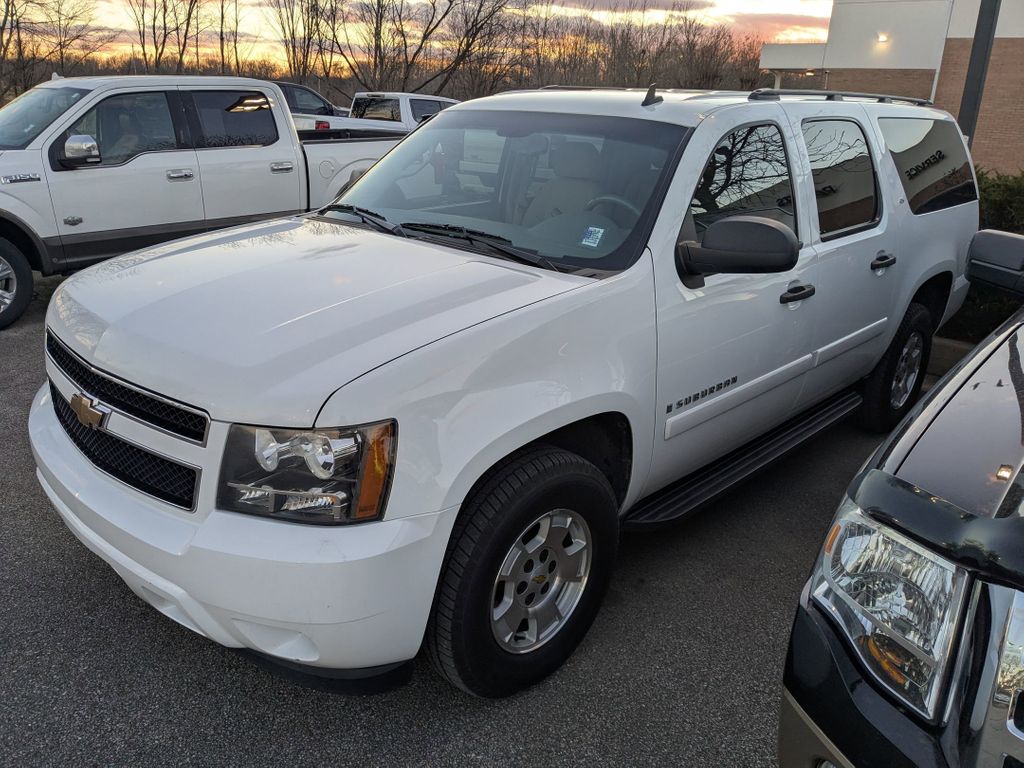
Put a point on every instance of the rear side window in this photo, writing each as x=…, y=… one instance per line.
x=307, y=102
x=748, y=173
x=376, y=108
x=931, y=160
x=423, y=107
x=845, y=188
x=234, y=119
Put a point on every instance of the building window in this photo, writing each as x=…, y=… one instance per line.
x=931, y=160
x=845, y=188
x=748, y=173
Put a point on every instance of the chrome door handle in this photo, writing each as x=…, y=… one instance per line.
x=179, y=174
x=882, y=260
x=286, y=166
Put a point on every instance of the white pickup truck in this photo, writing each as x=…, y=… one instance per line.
x=396, y=112
x=426, y=411
x=94, y=167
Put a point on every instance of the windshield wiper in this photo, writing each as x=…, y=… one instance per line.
x=368, y=217
x=496, y=243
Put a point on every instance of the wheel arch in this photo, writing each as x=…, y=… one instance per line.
x=604, y=439
x=933, y=294
x=24, y=237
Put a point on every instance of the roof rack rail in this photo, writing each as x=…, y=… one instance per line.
x=586, y=88
x=773, y=94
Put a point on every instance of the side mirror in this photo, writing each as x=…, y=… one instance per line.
x=997, y=259
x=80, y=150
x=352, y=179
x=740, y=244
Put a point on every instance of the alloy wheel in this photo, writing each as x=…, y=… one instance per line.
x=540, y=581
x=908, y=368
x=8, y=284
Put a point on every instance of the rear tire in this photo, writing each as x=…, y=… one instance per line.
x=15, y=283
x=537, y=540
x=895, y=384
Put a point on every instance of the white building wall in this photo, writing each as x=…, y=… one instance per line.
x=915, y=32
x=965, y=18
x=792, y=56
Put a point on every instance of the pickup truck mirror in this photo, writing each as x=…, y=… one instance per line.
x=739, y=244
x=80, y=150
x=997, y=259
x=352, y=179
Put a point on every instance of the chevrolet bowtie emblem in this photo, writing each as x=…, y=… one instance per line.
x=90, y=413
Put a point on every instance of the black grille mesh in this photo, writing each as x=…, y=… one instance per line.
x=138, y=404
x=165, y=479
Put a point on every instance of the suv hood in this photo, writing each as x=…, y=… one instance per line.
x=260, y=324
x=950, y=476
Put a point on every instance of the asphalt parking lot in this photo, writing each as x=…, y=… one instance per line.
x=682, y=667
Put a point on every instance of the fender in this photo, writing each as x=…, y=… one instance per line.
x=51, y=253
x=465, y=402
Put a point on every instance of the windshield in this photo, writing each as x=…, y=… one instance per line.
x=29, y=114
x=579, y=190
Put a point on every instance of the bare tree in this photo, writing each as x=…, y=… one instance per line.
x=297, y=24
x=185, y=28
x=70, y=32
x=153, y=23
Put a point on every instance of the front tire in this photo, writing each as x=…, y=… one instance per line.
x=895, y=384
x=15, y=283
x=526, y=570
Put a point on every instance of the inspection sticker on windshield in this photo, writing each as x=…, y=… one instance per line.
x=592, y=237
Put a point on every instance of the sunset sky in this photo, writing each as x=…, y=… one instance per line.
x=778, y=20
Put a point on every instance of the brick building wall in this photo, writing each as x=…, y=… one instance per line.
x=899, y=82
x=999, y=141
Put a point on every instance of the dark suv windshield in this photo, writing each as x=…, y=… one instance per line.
x=579, y=190
x=29, y=114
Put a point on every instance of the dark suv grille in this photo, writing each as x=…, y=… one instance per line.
x=176, y=419
x=165, y=479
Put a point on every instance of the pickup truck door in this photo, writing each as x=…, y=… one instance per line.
x=733, y=354
x=853, y=233
x=250, y=160
x=145, y=187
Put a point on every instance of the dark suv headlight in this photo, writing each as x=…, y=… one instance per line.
x=897, y=602
x=319, y=476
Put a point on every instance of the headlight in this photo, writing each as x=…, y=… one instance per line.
x=897, y=602
x=321, y=476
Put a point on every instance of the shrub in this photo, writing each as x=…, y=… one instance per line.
x=1002, y=207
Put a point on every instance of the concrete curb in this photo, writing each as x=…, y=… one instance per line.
x=946, y=353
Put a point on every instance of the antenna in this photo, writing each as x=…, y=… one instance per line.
x=651, y=98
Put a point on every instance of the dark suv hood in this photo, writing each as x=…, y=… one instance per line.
x=973, y=448
x=950, y=475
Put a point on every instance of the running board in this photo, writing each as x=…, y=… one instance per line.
x=695, y=489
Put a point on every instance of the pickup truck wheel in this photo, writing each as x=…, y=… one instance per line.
x=527, y=566
x=893, y=387
x=15, y=283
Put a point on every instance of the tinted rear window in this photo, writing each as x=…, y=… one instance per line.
x=376, y=108
x=844, y=179
x=932, y=162
x=234, y=119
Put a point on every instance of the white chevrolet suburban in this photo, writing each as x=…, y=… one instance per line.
x=422, y=414
x=94, y=167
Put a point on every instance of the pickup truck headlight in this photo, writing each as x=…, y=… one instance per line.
x=897, y=602
x=319, y=476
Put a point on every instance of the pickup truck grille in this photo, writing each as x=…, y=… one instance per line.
x=180, y=420
x=154, y=475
